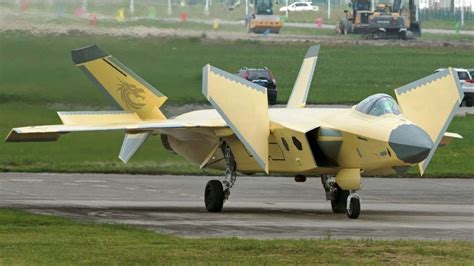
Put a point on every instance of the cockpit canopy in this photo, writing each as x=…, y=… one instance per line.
x=378, y=104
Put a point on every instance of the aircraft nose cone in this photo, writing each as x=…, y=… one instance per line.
x=410, y=143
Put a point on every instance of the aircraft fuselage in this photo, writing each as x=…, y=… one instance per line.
x=316, y=141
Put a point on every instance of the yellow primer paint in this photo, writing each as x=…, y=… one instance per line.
x=248, y=119
x=348, y=178
x=444, y=95
x=97, y=118
x=127, y=91
x=276, y=140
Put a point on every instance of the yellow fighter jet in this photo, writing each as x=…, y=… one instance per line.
x=243, y=135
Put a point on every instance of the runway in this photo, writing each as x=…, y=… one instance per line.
x=259, y=207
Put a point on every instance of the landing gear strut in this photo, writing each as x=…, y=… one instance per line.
x=217, y=192
x=342, y=201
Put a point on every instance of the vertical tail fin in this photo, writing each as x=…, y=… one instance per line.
x=300, y=91
x=127, y=89
x=244, y=107
x=431, y=103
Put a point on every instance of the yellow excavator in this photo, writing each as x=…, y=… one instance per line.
x=383, y=21
x=262, y=19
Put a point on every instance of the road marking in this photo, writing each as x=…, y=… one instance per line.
x=101, y=186
x=150, y=190
x=130, y=188
x=90, y=181
x=26, y=180
x=70, y=184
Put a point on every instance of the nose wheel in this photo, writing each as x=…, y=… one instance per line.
x=342, y=201
x=217, y=192
x=353, y=205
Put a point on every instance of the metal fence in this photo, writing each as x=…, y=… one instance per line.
x=446, y=14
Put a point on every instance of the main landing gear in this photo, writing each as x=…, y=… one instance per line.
x=217, y=192
x=347, y=201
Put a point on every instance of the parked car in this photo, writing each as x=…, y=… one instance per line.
x=467, y=84
x=300, y=6
x=262, y=77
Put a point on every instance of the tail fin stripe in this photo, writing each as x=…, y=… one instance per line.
x=116, y=68
x=135, y=76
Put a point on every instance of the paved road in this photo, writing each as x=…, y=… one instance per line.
x=259, y=207
x=304, y=25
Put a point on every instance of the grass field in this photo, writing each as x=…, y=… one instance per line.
x=39, y=68
x=39, y=79
x=45, y=240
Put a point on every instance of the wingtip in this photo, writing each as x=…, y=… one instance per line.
x=17, y=135
x=205, y=75
x=123, y=159
x=313, y=51
x=421, y=169
x=10, y=136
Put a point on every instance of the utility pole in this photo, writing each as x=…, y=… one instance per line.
x=169, y=8
x=417, y=10
x=246, y=8
x=206, y=8
x=132, y=7
x=329, y=9
x=286, y=11
x=462, y=12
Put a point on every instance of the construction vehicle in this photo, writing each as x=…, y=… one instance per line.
x=262, y=19
x=382, y=20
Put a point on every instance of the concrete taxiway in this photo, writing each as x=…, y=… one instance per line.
x=259, y=207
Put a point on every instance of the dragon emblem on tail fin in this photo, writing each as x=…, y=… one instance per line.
x=129, y=94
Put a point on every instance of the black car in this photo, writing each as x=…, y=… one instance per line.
x=262, y=77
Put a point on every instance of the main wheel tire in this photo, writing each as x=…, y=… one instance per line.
x=354, y=208
x=214, y=196
x=339, y=204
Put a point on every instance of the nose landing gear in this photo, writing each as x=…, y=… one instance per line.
x=342, y=201
x=217, y=192
x=353, y=205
